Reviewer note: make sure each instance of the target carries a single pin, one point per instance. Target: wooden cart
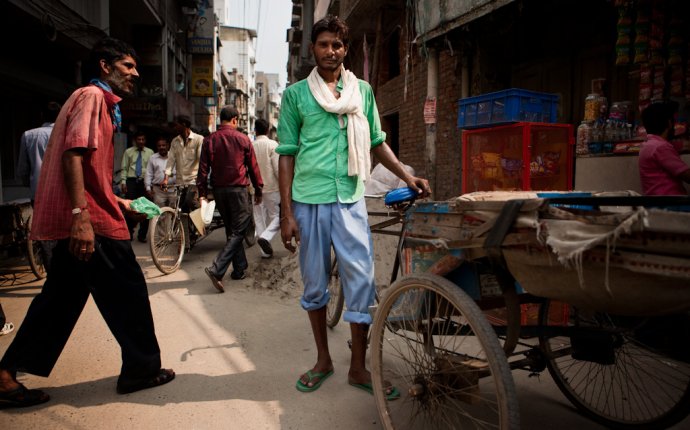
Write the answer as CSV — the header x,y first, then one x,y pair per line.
x,y
594,289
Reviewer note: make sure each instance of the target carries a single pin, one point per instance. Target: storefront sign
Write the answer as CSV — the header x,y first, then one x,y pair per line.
x,y
200,45
202,76
144,107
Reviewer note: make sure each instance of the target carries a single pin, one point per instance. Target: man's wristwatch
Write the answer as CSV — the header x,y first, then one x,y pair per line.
x,y
77,211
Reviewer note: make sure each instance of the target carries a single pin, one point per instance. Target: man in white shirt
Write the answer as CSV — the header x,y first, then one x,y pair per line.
x,y
267,213
185,151
155,174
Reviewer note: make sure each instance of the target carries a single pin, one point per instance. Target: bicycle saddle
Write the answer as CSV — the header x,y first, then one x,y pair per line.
x,y
400,195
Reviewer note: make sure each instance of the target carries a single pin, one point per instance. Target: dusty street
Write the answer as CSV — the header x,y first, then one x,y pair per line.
x,y
237,356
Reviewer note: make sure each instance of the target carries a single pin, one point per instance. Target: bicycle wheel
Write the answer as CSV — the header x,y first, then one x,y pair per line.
x,y
34,253
432,342
166,240
334,308
623,372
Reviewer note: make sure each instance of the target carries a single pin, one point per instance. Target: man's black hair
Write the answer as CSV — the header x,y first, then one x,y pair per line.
x,y
163,138
184,120
656,117
139,133
110,50
51,111
332,24
261,127
228,113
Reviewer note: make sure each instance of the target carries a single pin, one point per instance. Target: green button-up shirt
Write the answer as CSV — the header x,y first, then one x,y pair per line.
x,y
129,162
318,141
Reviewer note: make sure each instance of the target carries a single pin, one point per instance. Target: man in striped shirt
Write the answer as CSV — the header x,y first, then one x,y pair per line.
x,y
75,205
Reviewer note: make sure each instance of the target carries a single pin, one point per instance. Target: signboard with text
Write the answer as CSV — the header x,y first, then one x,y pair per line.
x,y
200,45
202,76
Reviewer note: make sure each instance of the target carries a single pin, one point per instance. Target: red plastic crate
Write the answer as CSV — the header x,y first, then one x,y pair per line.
x,y
518,157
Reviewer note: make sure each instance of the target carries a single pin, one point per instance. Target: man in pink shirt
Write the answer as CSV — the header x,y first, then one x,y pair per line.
x,y
662,172
75,206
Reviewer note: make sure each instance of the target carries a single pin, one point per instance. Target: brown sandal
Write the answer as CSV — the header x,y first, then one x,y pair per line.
x,y
22,397
129,386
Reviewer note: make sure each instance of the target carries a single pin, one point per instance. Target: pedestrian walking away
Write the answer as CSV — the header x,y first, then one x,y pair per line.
x,y
228,158
75,205
134,164
328,125
32,147
267,214
162,195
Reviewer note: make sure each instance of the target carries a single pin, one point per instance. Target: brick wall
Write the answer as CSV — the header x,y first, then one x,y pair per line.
x,y
390,98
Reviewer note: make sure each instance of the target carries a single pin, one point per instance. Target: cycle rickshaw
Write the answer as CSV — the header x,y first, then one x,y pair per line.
x,y
594,289
174,232
15,235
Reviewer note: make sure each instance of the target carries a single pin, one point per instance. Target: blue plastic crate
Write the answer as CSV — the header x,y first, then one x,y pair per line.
x,y
512,105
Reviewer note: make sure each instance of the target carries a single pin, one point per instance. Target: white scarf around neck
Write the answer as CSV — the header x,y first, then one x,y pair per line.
x,y
350,104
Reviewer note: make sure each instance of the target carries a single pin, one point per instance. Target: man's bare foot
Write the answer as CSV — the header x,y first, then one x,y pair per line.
x,y
8,381
317,374
361,378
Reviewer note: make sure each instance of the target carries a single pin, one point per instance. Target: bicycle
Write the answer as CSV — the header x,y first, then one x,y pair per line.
x,y
15,235
172,233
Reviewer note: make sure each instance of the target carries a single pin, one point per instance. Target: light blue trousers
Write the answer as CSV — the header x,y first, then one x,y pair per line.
x,y
346,227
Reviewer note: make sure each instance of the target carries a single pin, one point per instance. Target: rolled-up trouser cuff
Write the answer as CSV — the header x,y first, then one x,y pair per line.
x,y
357,317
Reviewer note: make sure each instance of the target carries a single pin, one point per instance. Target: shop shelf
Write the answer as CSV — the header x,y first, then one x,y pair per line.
x,y
512,105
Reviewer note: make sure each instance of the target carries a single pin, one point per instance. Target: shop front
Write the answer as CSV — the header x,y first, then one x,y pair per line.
x,y
605,60
651,61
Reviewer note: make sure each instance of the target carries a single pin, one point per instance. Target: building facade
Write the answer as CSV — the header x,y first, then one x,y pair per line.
x,y
268,95
238,57
48,64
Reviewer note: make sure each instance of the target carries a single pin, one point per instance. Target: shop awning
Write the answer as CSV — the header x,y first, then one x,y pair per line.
x,y
435,18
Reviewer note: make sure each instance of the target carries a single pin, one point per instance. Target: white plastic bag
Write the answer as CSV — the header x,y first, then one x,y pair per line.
x,y
207,209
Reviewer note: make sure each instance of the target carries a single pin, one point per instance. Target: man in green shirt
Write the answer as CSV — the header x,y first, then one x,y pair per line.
x,y
328,125
134,163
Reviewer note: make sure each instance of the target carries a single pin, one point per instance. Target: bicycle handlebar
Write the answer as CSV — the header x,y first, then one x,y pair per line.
x,y
399,196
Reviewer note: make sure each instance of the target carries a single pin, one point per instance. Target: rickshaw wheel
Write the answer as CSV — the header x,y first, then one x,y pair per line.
x,y
166,240
34,253
622,372
431,341
334,308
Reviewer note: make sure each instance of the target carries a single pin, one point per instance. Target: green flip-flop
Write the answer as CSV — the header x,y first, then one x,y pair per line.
x,y
393,395
312,375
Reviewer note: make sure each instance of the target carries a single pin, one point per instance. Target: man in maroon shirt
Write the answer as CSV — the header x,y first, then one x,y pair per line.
x,y
75,206
229,155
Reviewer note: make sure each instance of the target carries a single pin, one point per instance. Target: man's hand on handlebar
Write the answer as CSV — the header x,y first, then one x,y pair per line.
x,y
420,185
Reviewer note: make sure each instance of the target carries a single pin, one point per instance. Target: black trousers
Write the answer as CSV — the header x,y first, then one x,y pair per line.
x,y
136,189
117,284
236,210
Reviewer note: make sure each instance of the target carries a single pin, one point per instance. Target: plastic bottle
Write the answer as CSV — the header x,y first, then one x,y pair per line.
x,y
584,136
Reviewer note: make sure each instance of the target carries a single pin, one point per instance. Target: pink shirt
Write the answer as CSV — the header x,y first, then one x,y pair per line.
x,y
660,165
84,122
